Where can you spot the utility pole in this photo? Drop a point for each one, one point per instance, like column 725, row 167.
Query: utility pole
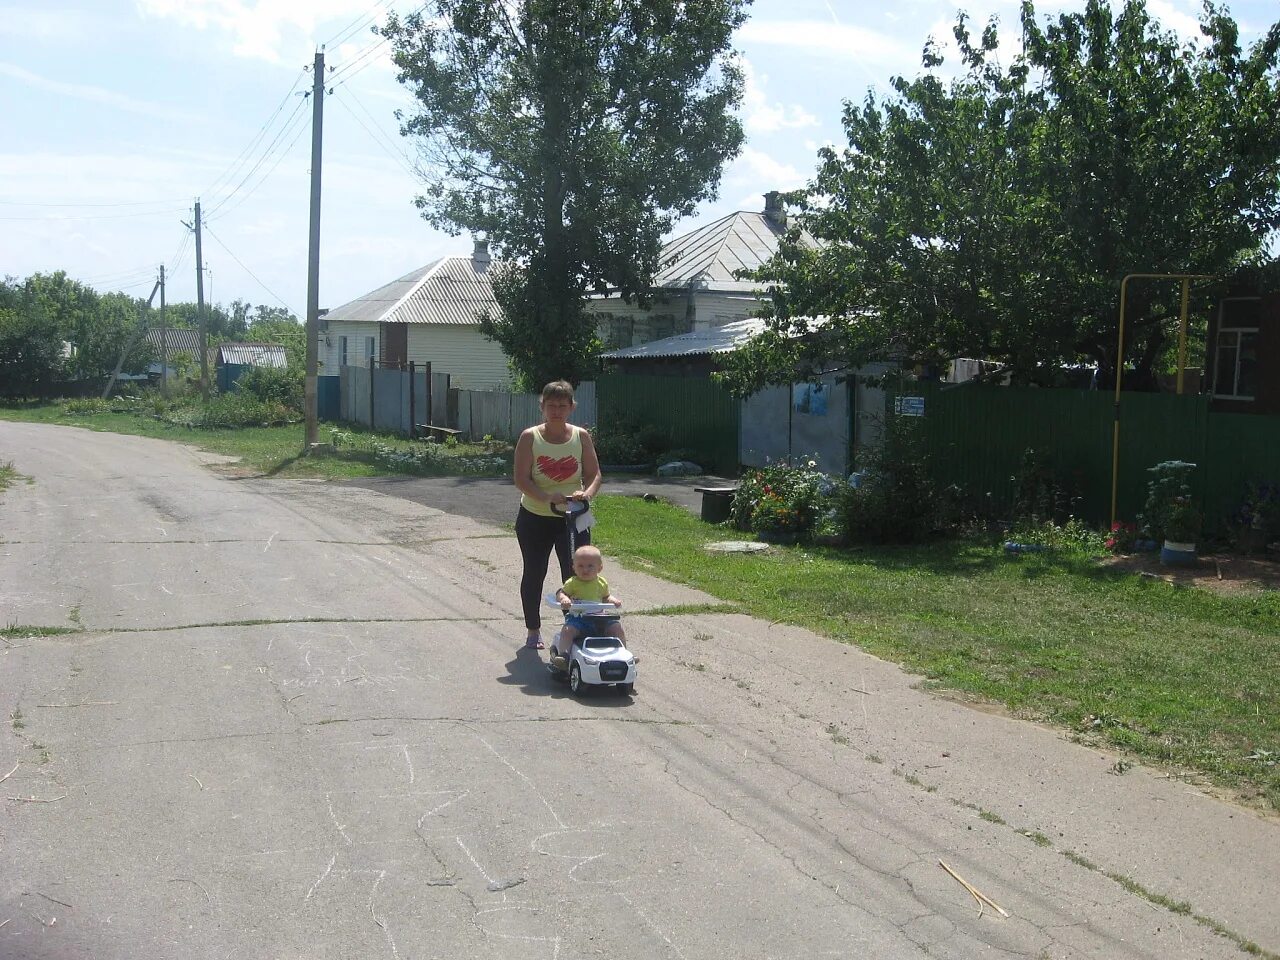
column 204, row 323
column 313, row 255
column 164, row 342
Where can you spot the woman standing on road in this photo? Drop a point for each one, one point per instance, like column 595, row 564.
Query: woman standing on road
column 554, row 462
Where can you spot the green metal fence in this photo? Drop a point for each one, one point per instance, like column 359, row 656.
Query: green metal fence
column 694, row 413
column 977, row 435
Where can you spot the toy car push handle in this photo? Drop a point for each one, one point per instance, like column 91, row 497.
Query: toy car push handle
column 571, row 510
column 586, row 608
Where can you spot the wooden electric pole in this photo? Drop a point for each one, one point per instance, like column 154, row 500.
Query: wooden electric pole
column 164, row 342
column 204, row 323
column 313, row 256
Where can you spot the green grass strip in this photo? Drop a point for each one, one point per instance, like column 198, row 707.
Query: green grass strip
column 1177, row 676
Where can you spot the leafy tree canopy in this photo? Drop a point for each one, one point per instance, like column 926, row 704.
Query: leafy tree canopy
column 994, row 215
column 573, row 134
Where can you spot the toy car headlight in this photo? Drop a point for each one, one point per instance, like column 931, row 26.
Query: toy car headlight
column 594, row 661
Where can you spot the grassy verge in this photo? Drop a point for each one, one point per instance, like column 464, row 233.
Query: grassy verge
column 275, row 451
column 7, row 475
column 1177, row 676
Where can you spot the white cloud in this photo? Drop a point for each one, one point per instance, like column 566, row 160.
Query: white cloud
column 826, row 38
column 92, row 94
column 271, row 30
column 761, row 116
column 756, row 172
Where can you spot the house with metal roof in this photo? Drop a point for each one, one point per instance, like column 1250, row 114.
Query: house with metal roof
column 250, row 355
column 427, row 316
column 697, row 287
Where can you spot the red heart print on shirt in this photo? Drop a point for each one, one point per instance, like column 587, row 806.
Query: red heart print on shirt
column 558, row 470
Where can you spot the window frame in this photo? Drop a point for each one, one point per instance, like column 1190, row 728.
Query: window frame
column 1240, row 333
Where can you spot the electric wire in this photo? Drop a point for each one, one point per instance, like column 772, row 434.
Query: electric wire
column 129, row 203
column 95, row 216
column 229, row 173
column 393, row 154
column 247, row 270
column 301, row 129
column 386, row 138
column 284, row 130
column 345, row 72
column 368, row 18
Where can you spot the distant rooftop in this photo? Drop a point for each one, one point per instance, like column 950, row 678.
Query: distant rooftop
column 722, row 339
column 451, row 290
column 713, row 254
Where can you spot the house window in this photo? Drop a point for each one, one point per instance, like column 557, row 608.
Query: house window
column 370, row 348
column 810, row 398
column 342, row 351
column 1235, row 375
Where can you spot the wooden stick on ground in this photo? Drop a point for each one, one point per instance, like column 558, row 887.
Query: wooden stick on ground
column 11, row 772
column 977, row 894
column 38, row 800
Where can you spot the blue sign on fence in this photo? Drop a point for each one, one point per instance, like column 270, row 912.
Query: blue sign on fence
column 909, row 406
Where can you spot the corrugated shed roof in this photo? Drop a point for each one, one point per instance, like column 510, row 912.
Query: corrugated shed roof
column 722, row 339
column 253, row 354
column 451, row 290
column 712, row 254
column 176, row 340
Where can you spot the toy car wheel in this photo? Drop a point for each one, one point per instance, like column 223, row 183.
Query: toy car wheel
column 627, row 688
column 575, row 680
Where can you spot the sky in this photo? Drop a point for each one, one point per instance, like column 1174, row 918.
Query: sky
column 119, row 114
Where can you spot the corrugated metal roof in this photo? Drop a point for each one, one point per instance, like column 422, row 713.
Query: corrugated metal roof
column 253, row 354
column 176, row 340
column 451, row 290
column 712, row 254
column 722, row 339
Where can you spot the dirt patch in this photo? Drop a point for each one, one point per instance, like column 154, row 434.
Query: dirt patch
column 1223, row 573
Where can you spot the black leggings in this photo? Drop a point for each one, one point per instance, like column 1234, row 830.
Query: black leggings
column 536, row 536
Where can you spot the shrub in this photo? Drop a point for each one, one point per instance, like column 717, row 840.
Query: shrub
column 1038, row 493
column 894, row 499
column 780, row 491
column 232, row 410
column 86, row 407
column 623, row 442
column 273, row 385
column 1169, row 512
column 427, row 458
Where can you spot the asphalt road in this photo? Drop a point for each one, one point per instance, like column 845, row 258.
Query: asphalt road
column 494, row 499
column 291, row 721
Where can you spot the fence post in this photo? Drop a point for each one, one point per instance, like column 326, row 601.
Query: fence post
column 371, row 392
column 431, row 396
column 412, row 425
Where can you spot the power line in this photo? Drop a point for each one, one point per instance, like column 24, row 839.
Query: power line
column 345, row 71
column 287, row 128
column 301, row 129
column 229, row 173
column 97, row 216
column 395, row 155
column 132, row 203
column 368, row 18
column 246, row 269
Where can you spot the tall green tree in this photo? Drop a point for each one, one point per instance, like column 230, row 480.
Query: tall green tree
column 30, row 344
column 994, row 215
column 573, row 134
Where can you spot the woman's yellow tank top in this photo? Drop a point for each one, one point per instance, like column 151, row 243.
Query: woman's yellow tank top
column 557, row 468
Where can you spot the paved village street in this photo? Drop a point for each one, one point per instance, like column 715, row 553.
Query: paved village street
column 291, row 721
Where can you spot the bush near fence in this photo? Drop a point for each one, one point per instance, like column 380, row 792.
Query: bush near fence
column 977, row 436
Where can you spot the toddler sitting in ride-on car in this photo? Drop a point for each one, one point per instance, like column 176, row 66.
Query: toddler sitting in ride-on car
column 586, row 585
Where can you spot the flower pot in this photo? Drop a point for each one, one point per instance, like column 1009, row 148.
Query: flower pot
column 1176, row 554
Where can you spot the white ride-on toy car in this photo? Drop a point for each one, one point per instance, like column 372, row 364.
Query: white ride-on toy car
column 594, row 661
